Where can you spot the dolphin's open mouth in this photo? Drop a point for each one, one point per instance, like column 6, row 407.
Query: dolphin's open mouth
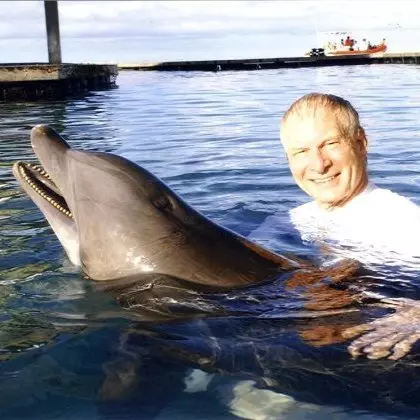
column 40, row 182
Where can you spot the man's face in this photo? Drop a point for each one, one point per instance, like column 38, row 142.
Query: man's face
column 328, row 167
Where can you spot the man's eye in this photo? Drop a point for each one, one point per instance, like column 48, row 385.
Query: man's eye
column 298, row 152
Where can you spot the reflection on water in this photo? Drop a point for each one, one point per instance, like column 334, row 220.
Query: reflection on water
column 213, row 137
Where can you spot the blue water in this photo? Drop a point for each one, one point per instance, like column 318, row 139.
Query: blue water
column 213, row 137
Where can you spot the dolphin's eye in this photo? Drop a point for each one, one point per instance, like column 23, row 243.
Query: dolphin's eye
column 162, row 203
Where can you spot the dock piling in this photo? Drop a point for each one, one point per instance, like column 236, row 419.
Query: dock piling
column 53, row 31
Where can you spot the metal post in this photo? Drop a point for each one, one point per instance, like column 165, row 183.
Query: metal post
column 53, row 31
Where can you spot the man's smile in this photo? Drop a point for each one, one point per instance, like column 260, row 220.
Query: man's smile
column 324, row 180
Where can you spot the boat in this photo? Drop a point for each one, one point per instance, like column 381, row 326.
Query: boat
column 345, row 44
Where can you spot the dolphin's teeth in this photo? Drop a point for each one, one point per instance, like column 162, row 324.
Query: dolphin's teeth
column 38, row 190
column 39, row 169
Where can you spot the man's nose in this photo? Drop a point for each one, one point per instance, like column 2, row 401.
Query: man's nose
column 318, row 161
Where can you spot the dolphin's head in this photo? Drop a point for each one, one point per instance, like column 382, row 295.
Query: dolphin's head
column 111, row 216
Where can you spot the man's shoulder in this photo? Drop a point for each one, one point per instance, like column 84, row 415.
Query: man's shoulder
column 304, row 210
column 392, row 201
column 310, row 205
column 375, row 202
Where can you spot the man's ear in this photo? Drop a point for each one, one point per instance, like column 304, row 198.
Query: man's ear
column 362, row 140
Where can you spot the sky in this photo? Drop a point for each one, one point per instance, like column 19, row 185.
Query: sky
column 155, row 31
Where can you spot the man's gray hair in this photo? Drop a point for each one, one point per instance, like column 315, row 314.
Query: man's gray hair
column 307, row 106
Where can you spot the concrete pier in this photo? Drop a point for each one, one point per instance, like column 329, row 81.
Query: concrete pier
column 34, row 81
column 275, row 63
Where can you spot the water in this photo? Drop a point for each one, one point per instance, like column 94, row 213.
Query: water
column 213, row 137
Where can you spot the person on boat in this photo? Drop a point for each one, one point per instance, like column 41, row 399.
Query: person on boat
column 347, row 42
column 326, row 149
column 363, row 46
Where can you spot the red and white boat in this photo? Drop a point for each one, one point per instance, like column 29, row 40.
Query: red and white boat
column 344, row 43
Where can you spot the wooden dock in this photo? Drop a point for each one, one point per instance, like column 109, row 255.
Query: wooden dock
column 34, row 81
column 275, row 63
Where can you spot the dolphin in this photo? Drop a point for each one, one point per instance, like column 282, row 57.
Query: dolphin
column 116, row 219
column 131, row 233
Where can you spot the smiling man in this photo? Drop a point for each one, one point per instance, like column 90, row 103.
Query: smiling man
column 326, row 149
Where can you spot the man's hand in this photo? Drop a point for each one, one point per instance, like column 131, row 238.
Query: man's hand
column 390, row 337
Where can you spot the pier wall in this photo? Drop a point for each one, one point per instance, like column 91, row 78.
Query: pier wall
column 34, row 81
column 275, row 63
